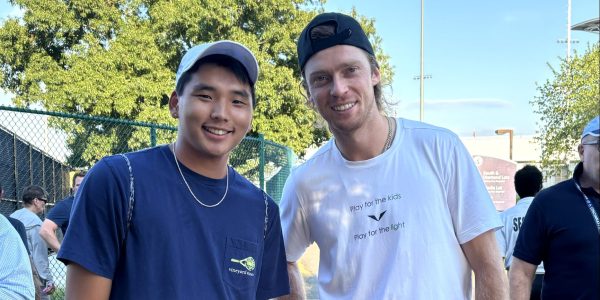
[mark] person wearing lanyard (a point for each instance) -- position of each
(562, 230)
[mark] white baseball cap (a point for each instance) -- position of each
(232, 49)
(592, 128)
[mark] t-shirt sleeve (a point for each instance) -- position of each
(501, 239)
(59, 214)
(273, 281)
(20, 228)
(470, 204)
(98, 219)
(16, 281)
(296, 234)
(532, 238)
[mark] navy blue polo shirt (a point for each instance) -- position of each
(559, 230)
(175, 247)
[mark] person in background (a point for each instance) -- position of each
(59, 216)
(562, 230)
(16, 279)
(528, 182)
(19, 227)
(34, 202)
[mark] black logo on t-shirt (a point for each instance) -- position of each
(376, 218)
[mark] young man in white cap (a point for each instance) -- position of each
(562, 230)
(174, 221)
(397, 207)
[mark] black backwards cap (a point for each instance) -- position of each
(347, 32)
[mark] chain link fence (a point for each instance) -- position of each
(46, 148)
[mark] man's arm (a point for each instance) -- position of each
(521, 278)
(296, 283)
(484, 258)
(39, 253)
(48, 233)
(83, 284)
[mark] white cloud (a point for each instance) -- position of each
(461, 103)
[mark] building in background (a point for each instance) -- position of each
(492, 156)
(592, 25)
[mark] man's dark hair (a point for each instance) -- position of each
(327, 30)
(33, 191)
(77, 175)
(528, 181)
(220, 60)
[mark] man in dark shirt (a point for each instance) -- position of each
(59, 216)
(562, 229)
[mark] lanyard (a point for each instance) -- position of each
(590, 206)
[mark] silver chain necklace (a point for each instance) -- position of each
(190, 189)
(390, 135)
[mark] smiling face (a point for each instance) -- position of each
(214, 111)
(340, 84)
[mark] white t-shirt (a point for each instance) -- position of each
(512, 219)
(390, 227)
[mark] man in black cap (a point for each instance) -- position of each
(397, 207)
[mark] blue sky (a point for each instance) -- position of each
(485, 57)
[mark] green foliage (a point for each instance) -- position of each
(117, 58)
(566, 103)
(59, 294)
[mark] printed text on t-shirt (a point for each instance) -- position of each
(366, 204)
(383, 229)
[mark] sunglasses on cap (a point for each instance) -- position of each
(591, 143)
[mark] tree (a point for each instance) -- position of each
(566, 103)
(117, 58)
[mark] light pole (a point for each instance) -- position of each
(421, 100)
(568, 29)
(510, 137)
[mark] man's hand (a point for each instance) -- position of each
(49, 288)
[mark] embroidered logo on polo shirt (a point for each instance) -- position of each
(247, 262)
